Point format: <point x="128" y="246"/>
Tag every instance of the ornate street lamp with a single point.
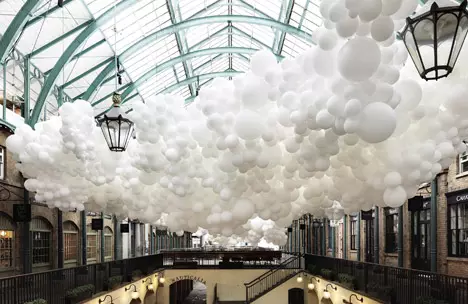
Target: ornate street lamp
<point x="116" y="127"/>
<point x="429" y="29"/>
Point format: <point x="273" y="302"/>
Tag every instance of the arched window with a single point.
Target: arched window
<point x="70" y="240"/>
<point x="108" y="243"/>
<point x="41" y="231"/>
<point x="7" y="233"/>
<point x="92" y="244"/>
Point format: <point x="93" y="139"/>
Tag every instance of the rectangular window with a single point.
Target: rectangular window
<point x="2" y="162"/>
<point x="463" y="162"/>
<point x="108" y="246"/>
<point x="354" y="232"/>
<point x="391" y="230"/>
<point x="41" y="247"/>
<point x="6" y="249"/>
<point x="458" y="227"/>
<point x="70" y="251"/>
<point x="91" y="246"/>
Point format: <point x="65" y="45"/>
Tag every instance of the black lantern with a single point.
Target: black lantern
<point x="116" y="127"/>
<point x="432" y="28"/>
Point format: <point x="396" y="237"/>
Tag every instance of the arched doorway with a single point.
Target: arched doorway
<point x="295" y="296"/>
<point x="187" y="292"/>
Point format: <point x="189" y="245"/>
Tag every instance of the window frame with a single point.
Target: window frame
<point x="462" y="161"/>
<point x="111" y="236"/>
<point x="49" y="254"/>
<point x="393" y="215"/>
<point x="456" y="219"/>
<point x="10" y="249"/>
<point x="353" y="229"/>
<point x="93" y="233"/>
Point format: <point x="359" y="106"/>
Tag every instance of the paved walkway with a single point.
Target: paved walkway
<point x="198" y="294"/>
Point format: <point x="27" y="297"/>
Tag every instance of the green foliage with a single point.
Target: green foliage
<point x="311" y="268"/>
<point x="79" y="291"/>
<point x="37" y="301"/>
<point x="115" y="281"/>
<point x="327" y="273"/>
<point x="347" y="280"/>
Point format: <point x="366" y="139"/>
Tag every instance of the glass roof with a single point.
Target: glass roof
<point x="203" y="39"/>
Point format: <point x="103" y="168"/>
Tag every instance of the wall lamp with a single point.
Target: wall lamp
<point x="135" y="295"/>
<point x="326" y="293"/>
<point x="161" y="279"/>
<point x="150" y="285"/>
<point x="103" y="300"/>
<point x="299" y="279"/>
<point x="351" y="297"/>
<point x="311" y="285"/>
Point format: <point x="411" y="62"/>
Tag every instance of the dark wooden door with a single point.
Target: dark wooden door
<point x="296" y="296"/>
<point x="421" y="238"/>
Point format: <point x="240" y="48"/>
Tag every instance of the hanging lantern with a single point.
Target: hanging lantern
<point x="116" y="127"/>
<point x="429" y="29"/>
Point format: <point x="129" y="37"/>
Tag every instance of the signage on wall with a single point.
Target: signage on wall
<point x="367" y="215"/>
<point x="457" y="197"/>
<point x="188" y="277"/>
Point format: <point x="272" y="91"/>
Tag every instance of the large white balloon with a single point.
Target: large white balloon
<point x="377" y="122"/>
<point x="359" y="59"/>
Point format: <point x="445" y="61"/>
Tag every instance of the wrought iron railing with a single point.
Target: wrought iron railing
<point x="393" y="284"/>
<point x="53" y="285"/>
<point x="272" y="278"/>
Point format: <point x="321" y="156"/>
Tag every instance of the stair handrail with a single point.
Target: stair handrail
<point x="282" y="265"/>
<point x="252" y="292"/>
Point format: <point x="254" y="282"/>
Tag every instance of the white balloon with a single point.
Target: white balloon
<point x="377" y="122"/>
<point x="359" y="59"/>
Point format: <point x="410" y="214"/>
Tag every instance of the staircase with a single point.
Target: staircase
<point x="271" y="279"/>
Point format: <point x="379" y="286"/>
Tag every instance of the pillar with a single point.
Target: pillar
<point x="434" y="193"/>
<point x="345" y="237"/>
<point x="358" y="237"/>
<point x="400" y="237"/>
<point x="151" y="239"/>
<point x="103" y="254"/>
<point x="4" y="66"/>
<point x="59" y="238"/>
<point x="324" y="237"/>
<point x="333" y="232"/>
<point x="117" y="240"/>
<point x="83" y="238"/>
<point x="376" y="236"/>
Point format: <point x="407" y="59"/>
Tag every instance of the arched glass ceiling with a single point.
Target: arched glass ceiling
<point x="162" y="45"/>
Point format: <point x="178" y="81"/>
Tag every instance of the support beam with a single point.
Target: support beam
<point x="174" y="13"/>
<point x="141" y="44"/>
<point x="220" y="3"/>
<point x="400" y="237"/>
<point x="46" y="13"/>
<point x="71" y="50"/>
<point x="345" y="237"/>
<point x="434" y="194"/>
<point x="16" y="27"/>
<point x="4" y="70"/>
<point x="151" y="73"/>
<point x="220" y="32"/>
<point x="279" y="48"/>
<point x="58" y="39"/>
<point x="91" y="70"/>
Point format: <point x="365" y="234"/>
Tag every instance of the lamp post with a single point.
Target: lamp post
<point x="116" y="127"/>
<point x="431" y="27"/>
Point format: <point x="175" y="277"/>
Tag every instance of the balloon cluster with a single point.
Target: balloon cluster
<point x="342" y="122"/>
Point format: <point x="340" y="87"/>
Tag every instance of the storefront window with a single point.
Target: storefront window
<point x="70" y="240"/>
<point x="91" y="244"/>
<point x="391" y="230"/>
<point x="354" y="231"/>
<point x="41" y="233"/>
<point x="458" y="228"/>
<point x="108" y="243"/>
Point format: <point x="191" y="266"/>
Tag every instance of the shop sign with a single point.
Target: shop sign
<point x="188" y="277"/>
<point x="457" y="197"/>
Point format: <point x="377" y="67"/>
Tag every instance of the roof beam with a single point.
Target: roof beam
<point x="141" y="44"/>
<point x="220" y="3"/>
<point x="215" y="34"/>
<point x="306" y="6"/>
<point x="58" y="39"/>
<point x="82" y="75"/>
<point x="71" y="50"/>
<point x="244" y="34"/>
<point x="174" y="13"/>
<point x="16" y="27"/>
<point x="287" y="18"/>
<point x="46" y="13"/>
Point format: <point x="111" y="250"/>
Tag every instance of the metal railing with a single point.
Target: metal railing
<point x="272" y="278"/>
<point x="53" y="285"/>
<point x="393" y="284"/>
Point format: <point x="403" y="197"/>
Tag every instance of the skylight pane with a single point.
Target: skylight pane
<point x="270" y="7"/>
